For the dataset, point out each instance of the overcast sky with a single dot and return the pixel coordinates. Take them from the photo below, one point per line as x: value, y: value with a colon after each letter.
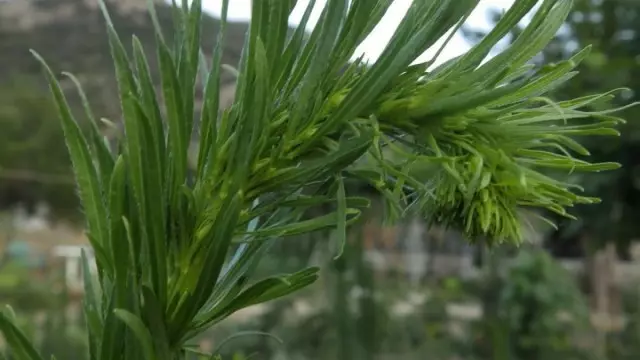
x: 373, y: 46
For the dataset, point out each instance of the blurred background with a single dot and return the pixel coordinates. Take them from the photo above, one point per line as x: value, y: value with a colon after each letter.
x: 400, y: 292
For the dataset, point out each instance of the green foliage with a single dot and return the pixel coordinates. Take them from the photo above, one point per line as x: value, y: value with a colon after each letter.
x: 624, y: 345
x: 463, y: 142
x: 611, y: 28
x: 541, y: 307
x: 483, y: 132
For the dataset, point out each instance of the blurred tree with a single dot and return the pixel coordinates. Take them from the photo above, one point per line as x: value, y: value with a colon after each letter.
x: 34, y: 165
x: 612, y: 27
x: 541, y: 309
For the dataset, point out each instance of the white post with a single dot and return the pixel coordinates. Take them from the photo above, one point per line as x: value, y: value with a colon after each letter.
x: 416, y: 256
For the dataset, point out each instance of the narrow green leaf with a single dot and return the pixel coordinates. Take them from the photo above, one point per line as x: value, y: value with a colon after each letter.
x: 150, y: 106
x: 100, y: 147
x: 85, y: 172
x: 140, y: 330
x: 92, y: 307
x: 341, y: 213
x: 288, y: 58
x: 154, y: 315
x: 178, y: 139
x: 244, y: 334
x: 321, y: 222
x: 154, y: 19
x: 207, y: 156
x: 118, y: 243
x: 20, y: 346
x: 265, y: 290
x: 114, y: 332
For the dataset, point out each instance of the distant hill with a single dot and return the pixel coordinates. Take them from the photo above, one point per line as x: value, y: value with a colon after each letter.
x: 71, y: 36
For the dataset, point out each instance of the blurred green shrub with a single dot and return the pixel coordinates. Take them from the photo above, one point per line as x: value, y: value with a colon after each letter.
x: 34, y: 164
x: 542, y: 308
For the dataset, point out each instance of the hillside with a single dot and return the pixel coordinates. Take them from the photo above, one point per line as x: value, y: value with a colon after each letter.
x: 70, y: 34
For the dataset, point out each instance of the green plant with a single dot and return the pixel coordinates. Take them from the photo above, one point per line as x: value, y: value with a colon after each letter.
x: 542, y: 308
x: 464, y: 142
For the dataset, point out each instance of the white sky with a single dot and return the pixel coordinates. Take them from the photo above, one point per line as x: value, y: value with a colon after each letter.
x: 374, y: 44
